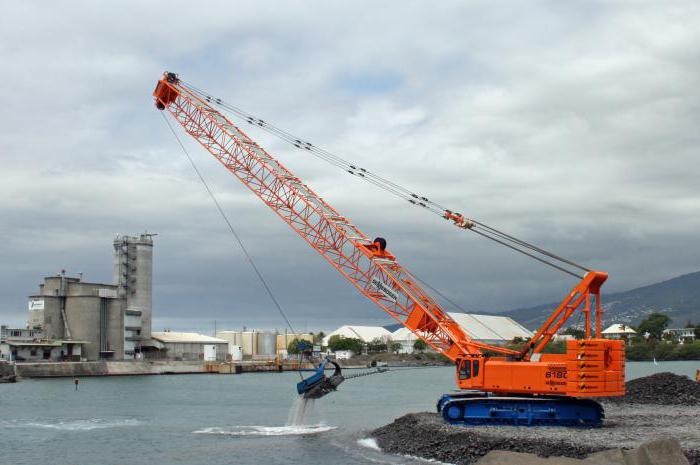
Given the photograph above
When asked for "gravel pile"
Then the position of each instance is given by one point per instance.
(663, 389)
(425, 435)
(626, 425)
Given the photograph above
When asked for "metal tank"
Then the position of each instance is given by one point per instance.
(235, 341)
(232, 337)
(249, 342)
(266, 343)
(283, 340)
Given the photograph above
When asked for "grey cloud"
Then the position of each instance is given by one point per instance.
(569, 124)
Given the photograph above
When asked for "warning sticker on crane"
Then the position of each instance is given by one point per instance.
(384, 289)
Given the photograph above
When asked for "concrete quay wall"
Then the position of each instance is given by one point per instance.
(144, 367)
(6, 370)
(104, 368)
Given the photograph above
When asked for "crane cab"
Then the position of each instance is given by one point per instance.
(470, 373)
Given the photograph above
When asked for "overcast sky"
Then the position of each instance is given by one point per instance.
(570, 124)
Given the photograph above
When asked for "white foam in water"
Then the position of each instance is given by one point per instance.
(369, 443)
(295, 424)
(71, 425)
(267, 430)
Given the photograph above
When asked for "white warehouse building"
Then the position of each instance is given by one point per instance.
(489, 329)
(364, 333)
(173, 345)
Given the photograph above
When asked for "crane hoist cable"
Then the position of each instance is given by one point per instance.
(248, 257)
(478, 227)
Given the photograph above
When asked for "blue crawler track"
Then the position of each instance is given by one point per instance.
(479, 409)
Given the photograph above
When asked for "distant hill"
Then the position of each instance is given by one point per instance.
(679, 298)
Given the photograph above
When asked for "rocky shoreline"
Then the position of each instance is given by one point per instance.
(629, 423)
(426, 435)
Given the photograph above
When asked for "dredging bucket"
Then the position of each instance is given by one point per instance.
(318, 384)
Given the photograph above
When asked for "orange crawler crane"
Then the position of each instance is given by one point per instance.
(498, 385)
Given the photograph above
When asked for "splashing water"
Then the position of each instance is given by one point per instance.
(266, 430)
(299, 410)
(295, 424)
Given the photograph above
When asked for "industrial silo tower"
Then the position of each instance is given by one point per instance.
(133, 272)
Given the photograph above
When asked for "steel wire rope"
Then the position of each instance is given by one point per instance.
(321, 153)
(447, 299)
(389, 186)
(453, 303)
(249, 258)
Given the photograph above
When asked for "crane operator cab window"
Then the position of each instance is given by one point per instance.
(468, 369)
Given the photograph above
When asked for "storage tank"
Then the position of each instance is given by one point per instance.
(249, 342)
(267, 342)
(232, 337)
(283, 340)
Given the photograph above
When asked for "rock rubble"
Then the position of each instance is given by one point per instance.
(662, 389)
(663, 406)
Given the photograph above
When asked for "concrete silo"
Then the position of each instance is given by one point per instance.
(133, 273)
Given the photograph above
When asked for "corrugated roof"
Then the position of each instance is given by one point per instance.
(365, 333)
(490, 327)
(173, 336)
(479, 327)
(403, 334)
(44, 343)
(619, 329)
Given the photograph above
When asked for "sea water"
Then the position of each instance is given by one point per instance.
(296, 424)
(254, 418)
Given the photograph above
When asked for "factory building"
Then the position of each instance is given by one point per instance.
(30, 345)
(173, 345)
(71, 309)
(113, 321)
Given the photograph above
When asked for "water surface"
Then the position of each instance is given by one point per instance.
(217, 419)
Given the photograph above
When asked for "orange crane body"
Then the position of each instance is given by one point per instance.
(591, 367)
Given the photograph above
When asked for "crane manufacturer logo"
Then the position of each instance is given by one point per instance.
(384, 289)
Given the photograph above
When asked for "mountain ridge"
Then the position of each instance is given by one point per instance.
(677, 297)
